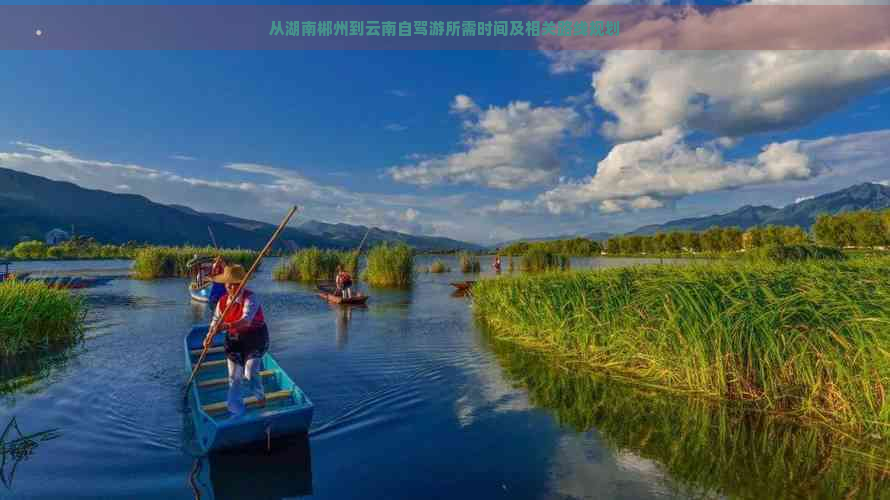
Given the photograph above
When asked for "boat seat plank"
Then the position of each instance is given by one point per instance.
(225, 380)
(211, 364)
(250, 401)
(212, 350)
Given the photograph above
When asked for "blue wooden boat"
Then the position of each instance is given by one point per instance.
(209, 293)
(288, 410)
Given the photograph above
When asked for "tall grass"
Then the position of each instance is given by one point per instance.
(789, 253)
(539, 259)
(807, 340)
(33, 316)
(313, 264)
(469, 263)
(707, 450)
(439, 267)
(390, 266)
(169, 262)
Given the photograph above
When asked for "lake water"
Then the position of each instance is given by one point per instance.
(412, 400)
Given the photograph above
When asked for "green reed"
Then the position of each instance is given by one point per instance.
(314, 264)
(539, 259)
(469, 263)
(169, 262)
(706, 449)
(390, 266)
(439, 267)
(33, 316)
(808, 340)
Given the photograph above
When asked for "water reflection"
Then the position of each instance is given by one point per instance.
(16, 447)
(344, 316)
(706, 449)
(23, 373)
(283, 472)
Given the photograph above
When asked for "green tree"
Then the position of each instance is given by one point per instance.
(30, 250)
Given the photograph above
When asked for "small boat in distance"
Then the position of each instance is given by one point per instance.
(463, 286)
(330, 295)
(288, 410)
(201, 288)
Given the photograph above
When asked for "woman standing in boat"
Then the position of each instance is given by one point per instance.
(247, 338)
(344, 283)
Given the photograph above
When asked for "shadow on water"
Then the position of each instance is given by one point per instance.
(283, 472)
(344, 316)
(706, 449)
(16, 447)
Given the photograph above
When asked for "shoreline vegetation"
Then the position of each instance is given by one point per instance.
(807, 339)
(172, 262)
(34, 316)
(314, 264)
(702, 446)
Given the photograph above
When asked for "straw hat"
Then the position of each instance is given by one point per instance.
(231, 274)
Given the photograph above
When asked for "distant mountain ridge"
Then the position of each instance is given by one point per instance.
(864, 196)
(31, 205)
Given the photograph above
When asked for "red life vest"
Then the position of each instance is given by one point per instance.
(237, 311)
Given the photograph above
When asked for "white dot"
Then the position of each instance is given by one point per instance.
(38, 32)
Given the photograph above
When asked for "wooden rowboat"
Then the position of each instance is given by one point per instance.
(464, 286)
(288, 410)
(355, 300)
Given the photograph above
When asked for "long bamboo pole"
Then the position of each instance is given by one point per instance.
(210, 334)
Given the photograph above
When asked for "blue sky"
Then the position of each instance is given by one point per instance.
(481, 146)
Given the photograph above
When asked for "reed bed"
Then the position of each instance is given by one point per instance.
(808, 340)
(33, 316)
(469, 263)
(169, 262)
(439, 267)
(313, 264)
(791, 253)
(539, 259)
(708, 450)
(390, 266)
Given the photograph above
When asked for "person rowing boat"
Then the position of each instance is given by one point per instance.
(344, 283)
(247, 338)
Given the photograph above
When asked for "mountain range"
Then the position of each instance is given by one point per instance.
(865, 196)
(30, 206)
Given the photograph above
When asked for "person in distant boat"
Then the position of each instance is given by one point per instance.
(219, 265)
(344, 283)
(497, 263)
(247, 338)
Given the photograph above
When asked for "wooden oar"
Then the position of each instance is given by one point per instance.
(209, 338)
(212, 238)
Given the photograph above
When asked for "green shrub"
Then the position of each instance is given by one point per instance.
(313, 264)
(390, 266)
(169, 262)
(539, 259)
(30, 250)
(33, 316)
(469, 263)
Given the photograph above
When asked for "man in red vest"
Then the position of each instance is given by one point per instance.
(247, 338)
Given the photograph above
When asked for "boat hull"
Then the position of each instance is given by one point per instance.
(357, 300)
(463, 286)
(218, 431)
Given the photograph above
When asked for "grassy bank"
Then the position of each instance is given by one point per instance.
(33, 317)
(390, 266)
(313, 264)
(539, 259)
(708, 450)
(806, 339)
(170, 262)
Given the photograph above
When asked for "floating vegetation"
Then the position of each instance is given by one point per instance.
(390, 266)
(34, 316)
(806, 340)
(439, 267)
(170, 262)
(314, 264)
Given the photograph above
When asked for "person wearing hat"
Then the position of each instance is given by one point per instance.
(247, 338)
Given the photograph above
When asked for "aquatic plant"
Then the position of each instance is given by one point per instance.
(806, 340)
(469, 263)
(314, 264)
(169, 262)
(439, 267)
(539, 259)
(390, 266)
(707, 450)
(33, 316)
(787, 253)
